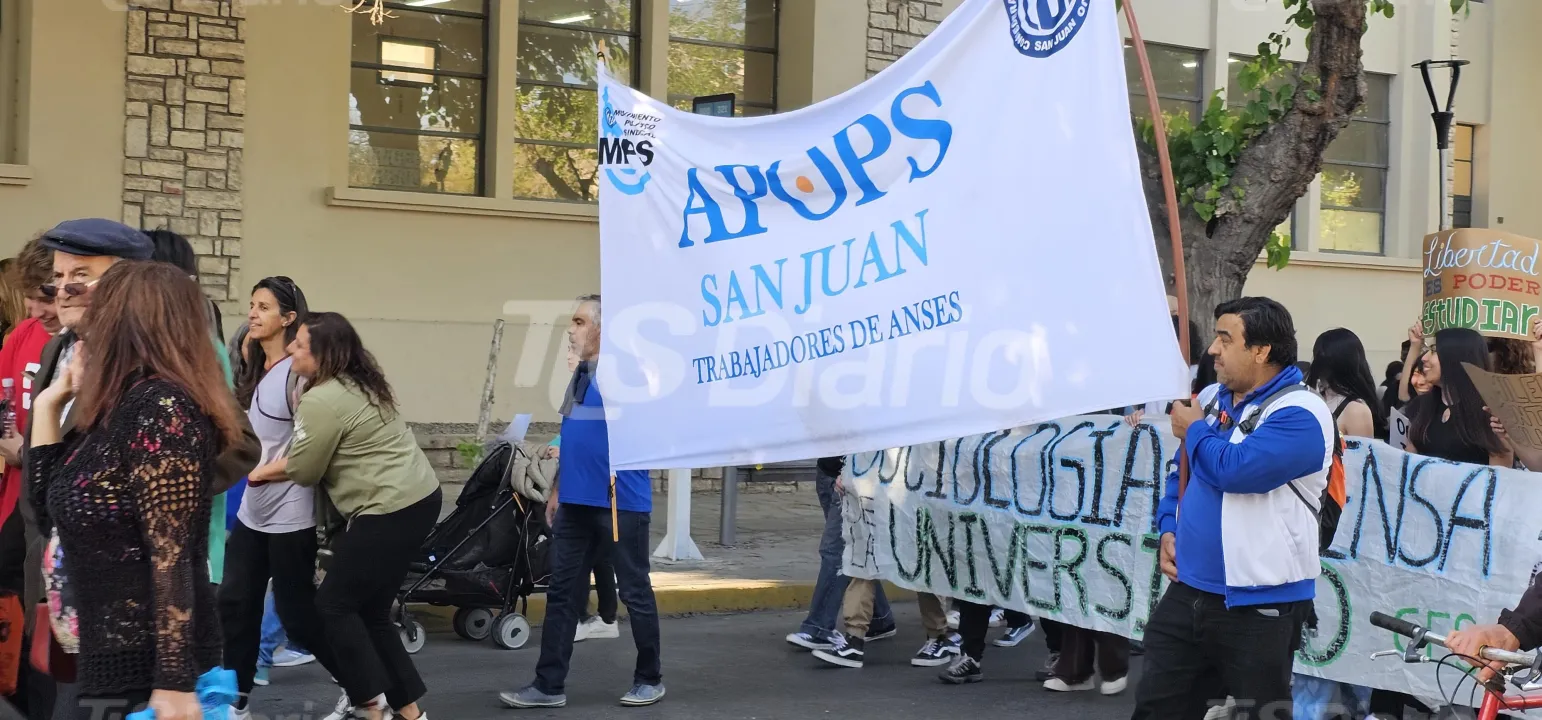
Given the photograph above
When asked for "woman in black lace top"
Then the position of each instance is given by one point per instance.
(129, 491)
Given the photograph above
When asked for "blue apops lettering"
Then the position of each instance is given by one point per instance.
(879, 134)
(750, 185)
(922, 128)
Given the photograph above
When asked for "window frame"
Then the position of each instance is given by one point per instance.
(1198, 101)
(634, 34)
(485, 78)
(10, 78)
(774, 51)
(1457, 161)
(433, 72)
(1385, 168)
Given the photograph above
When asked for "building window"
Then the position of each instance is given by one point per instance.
(1462, 177)
(723, 46)
(10, 41)
(1179, 76)
(405, 52)
(1236, 100)
(417, 95)
(555, 126)
(1354, 176)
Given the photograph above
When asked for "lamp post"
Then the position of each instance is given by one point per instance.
(1444, 119)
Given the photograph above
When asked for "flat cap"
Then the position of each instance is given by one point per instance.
(97, 237)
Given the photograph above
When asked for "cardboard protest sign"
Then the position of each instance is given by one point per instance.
(1482, 280)
(1397, 428)
(1516, 400)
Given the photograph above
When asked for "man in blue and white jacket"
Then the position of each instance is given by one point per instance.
(1239, 536)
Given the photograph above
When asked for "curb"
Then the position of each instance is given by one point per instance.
(679, 601)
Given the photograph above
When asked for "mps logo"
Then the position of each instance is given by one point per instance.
(1041, 27)
(618, 149)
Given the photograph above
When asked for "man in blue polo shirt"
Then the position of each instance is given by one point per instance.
(589, 497)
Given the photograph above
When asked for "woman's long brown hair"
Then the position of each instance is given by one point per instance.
(340, 355)
(150, 319)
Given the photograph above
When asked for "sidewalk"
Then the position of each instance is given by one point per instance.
(772, 565)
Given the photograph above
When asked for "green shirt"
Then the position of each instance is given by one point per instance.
(368, 462)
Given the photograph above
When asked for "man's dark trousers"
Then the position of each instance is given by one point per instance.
(581, 533)
(1198, 651)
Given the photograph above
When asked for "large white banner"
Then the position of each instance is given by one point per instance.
(958, 244)
(1057, 520)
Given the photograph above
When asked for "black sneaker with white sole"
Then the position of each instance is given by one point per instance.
(883, 633)
(808, 641)
(963, 670)
(845, 651)
(1013, 636)
(937, 652)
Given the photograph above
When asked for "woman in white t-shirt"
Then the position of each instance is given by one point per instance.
(274, 536)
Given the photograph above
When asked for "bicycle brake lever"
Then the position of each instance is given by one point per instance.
(1379, 654)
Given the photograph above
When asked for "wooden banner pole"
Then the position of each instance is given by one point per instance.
(1170, 189)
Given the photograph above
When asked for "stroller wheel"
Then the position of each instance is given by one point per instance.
(413, 637)
(473, 623)
(511, 631)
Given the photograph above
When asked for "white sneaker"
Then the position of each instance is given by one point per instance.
(953, 620)
(1058, 685)
(342, 711)
(240, 714)
(596, 629)
(601, 630)
(290, 658)
(1114, 687)
(998, 618)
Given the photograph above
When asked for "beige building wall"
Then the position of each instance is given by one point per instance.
(424, 288)
(67, 133)
(425, 277)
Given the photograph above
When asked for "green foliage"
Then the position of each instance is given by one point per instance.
(470, 452)
(1205, 152)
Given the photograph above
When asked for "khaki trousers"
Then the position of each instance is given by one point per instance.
(857, 610)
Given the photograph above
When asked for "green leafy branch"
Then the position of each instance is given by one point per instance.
(1205, 152)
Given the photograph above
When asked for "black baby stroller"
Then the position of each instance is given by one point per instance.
(486, 557)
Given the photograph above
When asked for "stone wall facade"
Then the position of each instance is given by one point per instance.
(184, 128)
(896, 26)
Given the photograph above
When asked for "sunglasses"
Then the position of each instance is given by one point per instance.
(71, 289)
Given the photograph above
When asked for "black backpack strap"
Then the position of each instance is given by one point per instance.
(1316, 512)
(1340, 409)
(1251, 423)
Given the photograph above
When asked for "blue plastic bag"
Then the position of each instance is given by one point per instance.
(216, 691)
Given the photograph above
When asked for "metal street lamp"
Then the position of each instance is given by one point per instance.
(1444, 120)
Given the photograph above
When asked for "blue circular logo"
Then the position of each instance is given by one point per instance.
(1041, 27)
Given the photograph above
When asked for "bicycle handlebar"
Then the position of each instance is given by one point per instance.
(1410, 630)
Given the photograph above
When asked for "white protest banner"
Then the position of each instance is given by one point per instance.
(959, 244)
(1397, 429)
(1056, 520)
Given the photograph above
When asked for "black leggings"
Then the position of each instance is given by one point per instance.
(251, 558)
(974, 622)
(369, 562)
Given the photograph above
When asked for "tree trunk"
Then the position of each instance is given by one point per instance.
(1274, 169)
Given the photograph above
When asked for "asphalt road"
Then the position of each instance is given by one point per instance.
(718, 668)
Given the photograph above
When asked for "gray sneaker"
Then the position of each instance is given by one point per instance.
(643, 695)
(530, 697)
